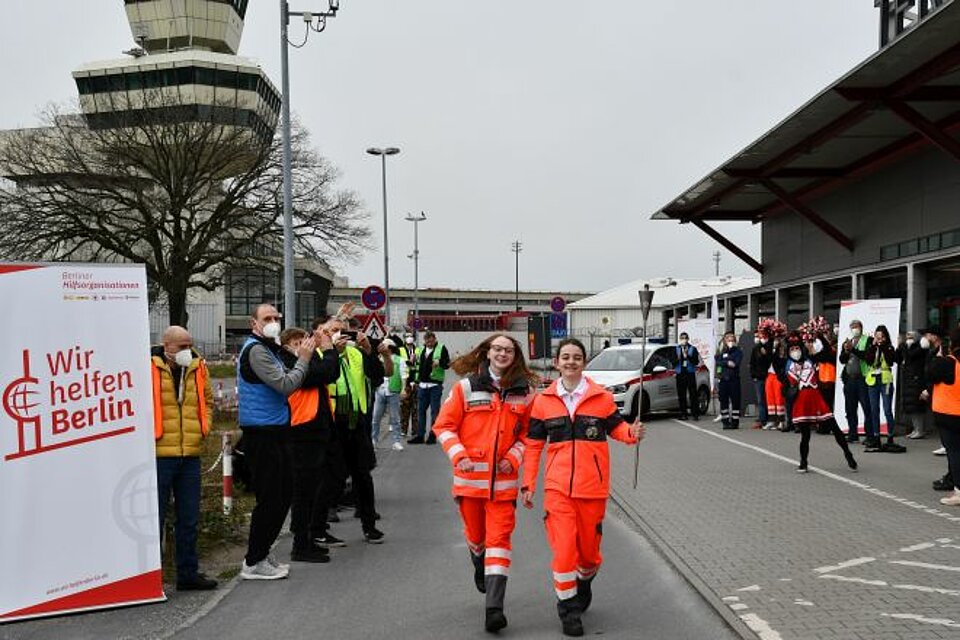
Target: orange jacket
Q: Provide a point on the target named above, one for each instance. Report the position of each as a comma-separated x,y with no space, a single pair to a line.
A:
578,460
480,423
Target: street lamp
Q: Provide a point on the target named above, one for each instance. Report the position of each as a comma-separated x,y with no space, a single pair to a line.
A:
646,301
289,288
416,220
516,246
383,153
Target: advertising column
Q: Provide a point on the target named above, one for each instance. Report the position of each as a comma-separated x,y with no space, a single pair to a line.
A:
79,528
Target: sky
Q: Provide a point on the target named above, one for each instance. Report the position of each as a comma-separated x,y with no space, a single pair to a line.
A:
562,124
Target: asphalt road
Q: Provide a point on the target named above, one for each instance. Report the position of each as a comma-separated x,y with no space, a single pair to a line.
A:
419,585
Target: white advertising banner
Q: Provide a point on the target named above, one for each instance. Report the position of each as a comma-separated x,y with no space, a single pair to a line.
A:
871,313
703,335
78,483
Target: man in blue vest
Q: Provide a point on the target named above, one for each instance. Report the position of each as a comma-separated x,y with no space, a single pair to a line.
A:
688,359
433,360
263,384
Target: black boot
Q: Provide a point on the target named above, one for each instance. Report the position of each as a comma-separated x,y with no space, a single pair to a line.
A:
570,611
496,589
478,577
585,593
944,484
850,460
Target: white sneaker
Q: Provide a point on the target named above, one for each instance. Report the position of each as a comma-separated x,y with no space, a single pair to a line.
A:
770,425
916,435
263,570
397,446
952,500
718,418
942,451
376,445
276,563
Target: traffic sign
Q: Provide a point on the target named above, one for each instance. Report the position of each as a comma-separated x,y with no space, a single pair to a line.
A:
418,323
374,327
558,304
558,325
373,297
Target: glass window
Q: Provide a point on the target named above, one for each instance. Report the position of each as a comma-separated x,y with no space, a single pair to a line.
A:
950,238
204,76
185,75
226,79
617,360
909,248
98,84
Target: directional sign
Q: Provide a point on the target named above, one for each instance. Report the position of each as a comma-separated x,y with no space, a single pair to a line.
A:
374,327
558,325
558,304
373,297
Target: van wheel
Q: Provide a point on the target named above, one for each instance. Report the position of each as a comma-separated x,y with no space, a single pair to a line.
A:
632,416
703,399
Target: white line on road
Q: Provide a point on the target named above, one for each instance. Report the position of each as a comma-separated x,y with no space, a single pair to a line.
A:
945,622
833,476
918,547
760,626
872,583
925,565
753,587
843,565
884,583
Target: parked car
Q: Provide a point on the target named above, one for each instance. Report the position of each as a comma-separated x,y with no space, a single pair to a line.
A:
619,369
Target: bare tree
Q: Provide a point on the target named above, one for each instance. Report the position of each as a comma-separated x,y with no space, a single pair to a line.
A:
188,191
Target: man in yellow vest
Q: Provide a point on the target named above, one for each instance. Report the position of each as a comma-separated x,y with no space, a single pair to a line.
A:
183,415
943,372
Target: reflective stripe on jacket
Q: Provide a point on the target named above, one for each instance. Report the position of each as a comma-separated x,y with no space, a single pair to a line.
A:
578,460
477,423
946,397
181,421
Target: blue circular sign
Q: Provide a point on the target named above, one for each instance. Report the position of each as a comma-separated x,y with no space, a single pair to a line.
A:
373,297
558,304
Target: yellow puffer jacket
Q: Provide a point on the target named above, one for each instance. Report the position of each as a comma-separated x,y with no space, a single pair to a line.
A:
179,430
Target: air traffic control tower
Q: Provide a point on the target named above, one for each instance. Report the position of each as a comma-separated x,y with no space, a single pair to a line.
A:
184,68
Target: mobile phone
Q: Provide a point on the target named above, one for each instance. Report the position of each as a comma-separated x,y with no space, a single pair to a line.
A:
351,335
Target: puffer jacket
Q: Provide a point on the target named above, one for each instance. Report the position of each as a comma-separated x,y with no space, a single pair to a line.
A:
912,363
180,425
486,425
578,459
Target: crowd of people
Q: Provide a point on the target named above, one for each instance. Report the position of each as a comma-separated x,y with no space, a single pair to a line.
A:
884,383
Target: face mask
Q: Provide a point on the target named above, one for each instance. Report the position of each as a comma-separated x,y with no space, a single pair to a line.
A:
909,342
763,341
271,330
683,343
817,346
924,343
757,341
731,344
183,358
856,333
795,354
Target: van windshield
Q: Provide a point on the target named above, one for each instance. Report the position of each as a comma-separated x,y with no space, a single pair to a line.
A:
617,360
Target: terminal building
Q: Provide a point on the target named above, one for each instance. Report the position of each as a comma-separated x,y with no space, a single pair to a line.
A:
857,193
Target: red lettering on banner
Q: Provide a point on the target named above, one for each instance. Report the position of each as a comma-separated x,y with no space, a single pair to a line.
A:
65,361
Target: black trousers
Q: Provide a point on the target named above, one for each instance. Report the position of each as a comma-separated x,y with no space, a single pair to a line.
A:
308,462
267,454
687,394
729,391
805,439
350,453
950,437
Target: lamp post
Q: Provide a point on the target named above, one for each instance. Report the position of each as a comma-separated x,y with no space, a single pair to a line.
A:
289,288
383,153
517,247
646,301
416,220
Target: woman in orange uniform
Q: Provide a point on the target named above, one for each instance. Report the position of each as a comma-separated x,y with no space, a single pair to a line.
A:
480,428
573,418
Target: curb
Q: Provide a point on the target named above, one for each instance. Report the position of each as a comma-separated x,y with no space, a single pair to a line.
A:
679,564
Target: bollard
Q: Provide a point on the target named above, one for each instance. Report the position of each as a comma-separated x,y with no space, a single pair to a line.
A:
227,474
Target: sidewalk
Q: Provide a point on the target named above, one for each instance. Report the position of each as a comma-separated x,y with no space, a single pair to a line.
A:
829,554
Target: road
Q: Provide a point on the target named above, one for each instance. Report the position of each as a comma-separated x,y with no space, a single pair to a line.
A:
419,585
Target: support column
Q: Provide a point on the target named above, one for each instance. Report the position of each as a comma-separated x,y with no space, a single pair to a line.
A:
665,323
816,299
916,297
855,286
729,314
753,311
781,304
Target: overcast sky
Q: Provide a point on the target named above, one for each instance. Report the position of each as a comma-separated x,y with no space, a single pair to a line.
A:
563,124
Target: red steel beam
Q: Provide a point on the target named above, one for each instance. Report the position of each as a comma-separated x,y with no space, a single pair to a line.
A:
927,129
730,246
808,213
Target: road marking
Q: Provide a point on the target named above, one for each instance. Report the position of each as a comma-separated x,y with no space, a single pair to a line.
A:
843,565
944,622
925,565
950,546
918,547
802,602
731,599
833,476
944,540
760,626
753,587
739,606
905,587
872,583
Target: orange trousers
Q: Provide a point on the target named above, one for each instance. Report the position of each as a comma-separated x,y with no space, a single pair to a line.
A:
776,405
574,529
487,526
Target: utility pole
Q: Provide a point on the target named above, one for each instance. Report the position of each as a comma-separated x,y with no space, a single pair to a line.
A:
716,263
517,247
416,220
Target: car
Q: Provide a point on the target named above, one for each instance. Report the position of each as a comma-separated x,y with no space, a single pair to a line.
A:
619,368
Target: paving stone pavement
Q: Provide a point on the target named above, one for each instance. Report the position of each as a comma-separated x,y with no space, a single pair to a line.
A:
828,554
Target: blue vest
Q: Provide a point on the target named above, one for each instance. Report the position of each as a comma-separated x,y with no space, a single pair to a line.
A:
260,406
690,368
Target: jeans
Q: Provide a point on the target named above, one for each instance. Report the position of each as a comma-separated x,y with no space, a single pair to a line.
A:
382,403
876,392
855,393
428,398
760,388
182,477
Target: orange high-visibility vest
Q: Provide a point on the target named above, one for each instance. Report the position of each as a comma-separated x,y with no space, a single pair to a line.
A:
946,397
201,400
827,373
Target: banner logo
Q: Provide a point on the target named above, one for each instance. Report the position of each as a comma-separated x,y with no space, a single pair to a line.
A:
73,404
